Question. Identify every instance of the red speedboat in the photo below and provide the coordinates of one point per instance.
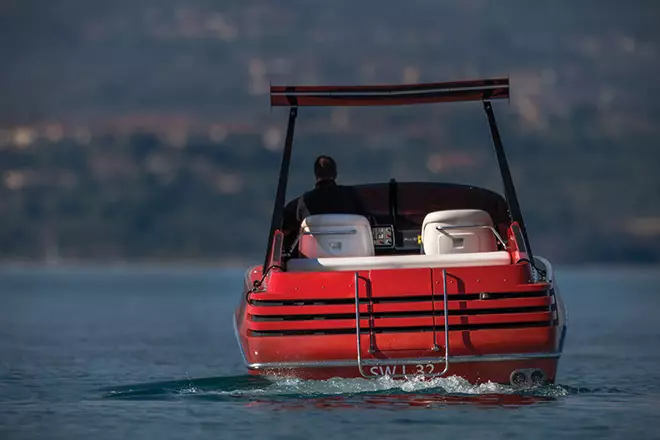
(440, 280)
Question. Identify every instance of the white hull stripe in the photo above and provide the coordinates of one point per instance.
(388, 362)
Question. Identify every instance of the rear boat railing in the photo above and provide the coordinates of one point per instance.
(361, 363)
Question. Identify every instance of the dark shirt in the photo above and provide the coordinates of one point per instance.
(326, 198)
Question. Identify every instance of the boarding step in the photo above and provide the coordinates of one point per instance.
(371, 368)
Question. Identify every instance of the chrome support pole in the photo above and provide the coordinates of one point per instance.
(445, 301)
(356, 280)
(370, 308)
(435, 334)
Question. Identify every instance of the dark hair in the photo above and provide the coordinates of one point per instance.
(325, 168)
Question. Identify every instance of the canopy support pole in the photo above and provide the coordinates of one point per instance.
(509, 189)
(280, 198)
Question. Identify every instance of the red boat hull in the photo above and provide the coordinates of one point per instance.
(474, 372)
(503, 326)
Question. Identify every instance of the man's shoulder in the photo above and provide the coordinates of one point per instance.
(330, 188)
(348, 189)
(293, 201)
(324, 192)
(292, 205)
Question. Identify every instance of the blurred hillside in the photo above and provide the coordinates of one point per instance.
(133, 130)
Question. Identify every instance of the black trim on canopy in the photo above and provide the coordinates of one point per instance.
(476, 90)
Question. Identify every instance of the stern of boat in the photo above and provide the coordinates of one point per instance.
(502, 324)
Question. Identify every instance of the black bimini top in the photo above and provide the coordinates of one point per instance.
(405, 203)
(471, 90)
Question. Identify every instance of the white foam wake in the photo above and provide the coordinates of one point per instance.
(453, 385)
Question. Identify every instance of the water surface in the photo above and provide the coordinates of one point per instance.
(150, 353)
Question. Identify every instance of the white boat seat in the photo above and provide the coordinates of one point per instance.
(335, 236)
(454, 239)
(499, 258)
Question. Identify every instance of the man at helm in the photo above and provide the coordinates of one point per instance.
(326, 198)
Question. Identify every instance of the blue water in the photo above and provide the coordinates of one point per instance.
(150, 353)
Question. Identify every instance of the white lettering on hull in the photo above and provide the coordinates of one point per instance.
(402, 370)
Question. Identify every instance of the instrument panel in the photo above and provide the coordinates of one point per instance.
(386, 238)
(383, 236)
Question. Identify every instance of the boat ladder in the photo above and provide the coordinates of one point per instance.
(362, 363)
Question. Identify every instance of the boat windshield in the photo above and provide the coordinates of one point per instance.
(405, 204)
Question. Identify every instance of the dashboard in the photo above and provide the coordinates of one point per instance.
(383, 236)
(388, 240)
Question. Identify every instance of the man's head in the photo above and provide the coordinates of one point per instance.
(325, 168)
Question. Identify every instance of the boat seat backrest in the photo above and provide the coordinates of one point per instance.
(336, 235)
(454, 239)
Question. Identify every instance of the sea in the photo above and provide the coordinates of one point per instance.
(147, 352)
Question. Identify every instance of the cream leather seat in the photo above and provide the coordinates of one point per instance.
(336, 235)
(457, 240)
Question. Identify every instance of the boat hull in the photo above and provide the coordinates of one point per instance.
(509, 331)
(476, 370)
(478, 356)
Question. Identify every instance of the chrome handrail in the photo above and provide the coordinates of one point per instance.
(497, 235)
(445, 301)
(446, 313)
(357, 325)
(435, 336)
(375, 362)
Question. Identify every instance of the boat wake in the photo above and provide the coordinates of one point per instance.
(341, 392)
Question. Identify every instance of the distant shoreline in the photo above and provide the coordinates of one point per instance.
(229, 263)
